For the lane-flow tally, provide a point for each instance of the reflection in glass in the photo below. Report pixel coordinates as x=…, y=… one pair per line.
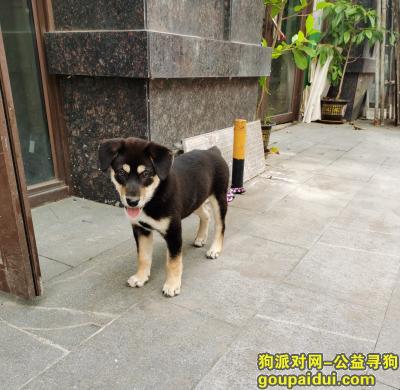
x=20, y=46
x=281, y=82
x=281, y=85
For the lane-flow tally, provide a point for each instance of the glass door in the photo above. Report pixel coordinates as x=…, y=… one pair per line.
x=285, y=81
x=18, y=32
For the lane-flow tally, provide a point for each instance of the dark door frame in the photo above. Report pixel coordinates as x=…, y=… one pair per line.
x=20, y=271
x=58, y=187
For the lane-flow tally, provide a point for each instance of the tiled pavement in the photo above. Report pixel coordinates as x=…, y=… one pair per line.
x=311, y=264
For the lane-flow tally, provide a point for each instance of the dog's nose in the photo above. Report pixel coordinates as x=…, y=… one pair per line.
x=131, y=202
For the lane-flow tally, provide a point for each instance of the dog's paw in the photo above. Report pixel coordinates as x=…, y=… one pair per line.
x=199, y=242
x=171, y=289
x=137, y=280
x=212, y=254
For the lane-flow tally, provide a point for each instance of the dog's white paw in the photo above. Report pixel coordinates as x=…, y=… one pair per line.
x=171, y=289
x=200, y=242
x=137, y=280
x=212, y=254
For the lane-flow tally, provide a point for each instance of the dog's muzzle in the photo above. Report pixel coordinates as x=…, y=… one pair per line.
x=131, y=202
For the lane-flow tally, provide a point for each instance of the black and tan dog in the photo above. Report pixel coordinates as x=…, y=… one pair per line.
x=158, y=191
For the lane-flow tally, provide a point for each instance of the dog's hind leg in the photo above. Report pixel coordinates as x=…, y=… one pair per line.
x=220, y=207
x=144, y=243
x=202, y=233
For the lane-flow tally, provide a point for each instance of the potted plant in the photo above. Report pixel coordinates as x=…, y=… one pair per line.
x=266, y=128
x=347, y=25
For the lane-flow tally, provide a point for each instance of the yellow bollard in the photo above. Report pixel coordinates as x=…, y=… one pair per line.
x=239, y=151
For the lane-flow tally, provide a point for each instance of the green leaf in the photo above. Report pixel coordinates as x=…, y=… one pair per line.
x=323, y=4
x=337, y=19
x=309, y=24
x=303, y=4
x=372, y=20
x=339, y=9
x=309, y=51
x=300, y=59
x=300, y=37
x=323, y=57
x=368, y=34
x=346, y=36
x=264, y=42
x=360, y=38
x=350, y=11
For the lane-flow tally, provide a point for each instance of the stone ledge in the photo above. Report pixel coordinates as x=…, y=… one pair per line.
x=151, y=54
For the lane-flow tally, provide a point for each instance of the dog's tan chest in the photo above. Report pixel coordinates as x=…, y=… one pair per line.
x=149, y=223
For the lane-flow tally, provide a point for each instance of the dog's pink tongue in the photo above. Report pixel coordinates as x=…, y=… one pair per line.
x=133, y=212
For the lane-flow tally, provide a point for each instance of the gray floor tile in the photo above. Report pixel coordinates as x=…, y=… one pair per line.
x=23, y=356
x=255, y=257
x=323, y=152
x=74, y=230
x=100, y=284
x=50, y=268
x=222, y=294
x=328, y=190
x=381, y=386
x=305, y=163
x=373, y=214
x=351, y=169
x=384, y=186
x=81, y=239
x=377, y=242
x=319, y=310
x=262, y=193
x=293, y=221
x=279, y=174
x=154, y=346
x=355, y=276
x=64, y=326
x=389, y=339
x=367, y=152
x=237, y=369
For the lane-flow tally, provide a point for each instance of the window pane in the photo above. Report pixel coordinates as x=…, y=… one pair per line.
x=19, y=40
x=281, y=83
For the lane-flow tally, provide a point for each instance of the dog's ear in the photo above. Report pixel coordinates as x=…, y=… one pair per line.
x=162, y=159
x=108, y=150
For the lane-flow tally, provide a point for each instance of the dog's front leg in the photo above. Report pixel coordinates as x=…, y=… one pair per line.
x=144, y=244
x=174, y=265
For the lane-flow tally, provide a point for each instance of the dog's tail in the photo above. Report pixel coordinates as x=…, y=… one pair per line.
x=215, y=150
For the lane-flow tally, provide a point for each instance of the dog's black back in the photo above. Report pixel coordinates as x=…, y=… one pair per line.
x=197, y=175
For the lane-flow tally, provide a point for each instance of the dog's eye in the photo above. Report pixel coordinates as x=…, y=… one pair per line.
x=146, y=174
x=121, y=175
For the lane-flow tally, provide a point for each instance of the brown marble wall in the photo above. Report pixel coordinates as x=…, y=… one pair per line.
x=98, y=14
x=247, y=20
x=203, y=18
x=183, y=108
x=98, y=53
x=95, y=109
x=150, y=54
